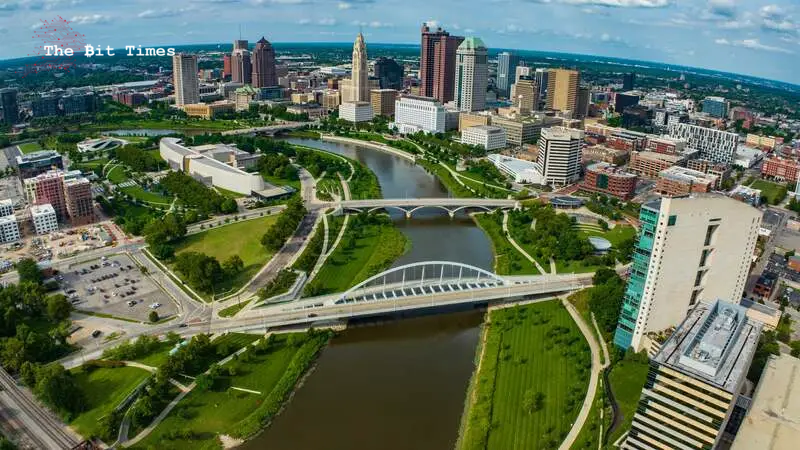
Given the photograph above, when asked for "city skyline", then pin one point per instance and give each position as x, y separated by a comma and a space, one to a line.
757, 38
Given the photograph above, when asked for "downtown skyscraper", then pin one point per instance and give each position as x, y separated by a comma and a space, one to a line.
184, 76
437, 63
241, 66
472, 75
507, 63
263, 62
562, 90
360, 73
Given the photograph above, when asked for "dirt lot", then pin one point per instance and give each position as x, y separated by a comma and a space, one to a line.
116, 287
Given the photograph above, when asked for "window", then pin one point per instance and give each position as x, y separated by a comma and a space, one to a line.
671, 221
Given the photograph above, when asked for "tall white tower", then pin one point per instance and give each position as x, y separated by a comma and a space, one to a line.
472, 75
360, 76
184, 75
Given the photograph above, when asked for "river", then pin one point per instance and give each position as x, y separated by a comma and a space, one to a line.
400, 385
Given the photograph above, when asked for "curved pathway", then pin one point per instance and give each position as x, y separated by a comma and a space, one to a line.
517, 246
597, 367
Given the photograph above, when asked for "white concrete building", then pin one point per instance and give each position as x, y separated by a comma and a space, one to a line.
714, 145
6, 207
559, 159
413, 114
486, 136
356, 111
521, 171
9, 229
691, 249
472, 75
44, 218
204, 166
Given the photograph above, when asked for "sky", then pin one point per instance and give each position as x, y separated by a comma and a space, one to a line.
753, 37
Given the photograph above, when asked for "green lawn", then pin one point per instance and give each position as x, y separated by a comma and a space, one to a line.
158, 356
232, 310
772, 193
104, 389
446, 178
237, 238
30, 147
202, 415
532, 380
89, 166
627, 378
139, 193
229, 194
507, 260
589, 437
282, 181
374, 248
211, 125
329, 186
616, 235
117, 174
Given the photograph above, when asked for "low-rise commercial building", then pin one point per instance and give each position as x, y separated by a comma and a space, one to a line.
719, 170
34, 163
649, 164
677, 181
666, 145
9, 229
356, 111
781, 169
44, 218
520, 170
601, 153
695, 379
766, 143
383, 101
472, 119
209, 111
747, 157
331, 100
771, 422
312, 110
486, 136
610, 180
209, 169
413, 114
521, 130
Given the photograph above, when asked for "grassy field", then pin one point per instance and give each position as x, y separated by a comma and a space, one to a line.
30, 147
239, 238
377, 248
198, 418
229, 194
158, 356
104, 388
589, 437
89, 166
532, 380
117, 175
773, 193
627, 377
507, 260
616, 235
281, 182
210, 125
139, 193
446, 178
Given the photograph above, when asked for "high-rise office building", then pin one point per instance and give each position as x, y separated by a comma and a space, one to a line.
472, 75
389, 73
360, 74
241, 64
507, 63
45, 105
8, 105
559, 159
628, 81
690, 249
624, 100
526, 95
562, 90
383, 101
226, 67
184, 75
584, 100
542, 78
263, 60
694, 381
716, 107
437, 64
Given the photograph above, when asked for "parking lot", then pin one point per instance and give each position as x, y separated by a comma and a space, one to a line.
115, 286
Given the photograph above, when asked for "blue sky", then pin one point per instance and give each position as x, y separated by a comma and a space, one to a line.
755, 37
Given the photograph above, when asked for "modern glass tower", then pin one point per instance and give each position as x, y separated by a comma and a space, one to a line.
507, 63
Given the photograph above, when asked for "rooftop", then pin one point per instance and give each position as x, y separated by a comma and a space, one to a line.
472, 43
773, 418
607, 168
714, 344
46, 208
678, 173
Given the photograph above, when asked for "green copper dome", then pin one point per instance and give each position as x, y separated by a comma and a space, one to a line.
472, 43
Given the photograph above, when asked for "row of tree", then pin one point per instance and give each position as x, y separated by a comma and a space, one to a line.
197, 195
287, 222
203, 272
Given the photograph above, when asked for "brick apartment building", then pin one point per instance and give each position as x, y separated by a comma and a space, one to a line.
650, 164
608, 179
782, 169
677, 181
79, 201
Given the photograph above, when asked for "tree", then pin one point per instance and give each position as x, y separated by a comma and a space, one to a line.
153, 316
57, 387
532, 401
233, 265
58, 308
29, 271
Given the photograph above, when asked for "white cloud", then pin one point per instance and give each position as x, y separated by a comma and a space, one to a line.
773, 12
91, 19
344, 5
328, 22
304, 21
612, 3
372, 24
157, 14
3, 30
753, 44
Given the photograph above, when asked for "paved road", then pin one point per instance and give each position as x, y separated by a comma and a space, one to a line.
37, 425
769, 247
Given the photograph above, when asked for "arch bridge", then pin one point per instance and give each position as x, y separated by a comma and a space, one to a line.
412, 205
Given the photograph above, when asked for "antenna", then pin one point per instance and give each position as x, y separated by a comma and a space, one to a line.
240, 32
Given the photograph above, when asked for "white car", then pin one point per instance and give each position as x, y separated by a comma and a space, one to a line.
155, 305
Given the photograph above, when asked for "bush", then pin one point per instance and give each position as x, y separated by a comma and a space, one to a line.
153, 316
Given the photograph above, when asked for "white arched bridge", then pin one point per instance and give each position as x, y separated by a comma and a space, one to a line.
412, 286
411, 205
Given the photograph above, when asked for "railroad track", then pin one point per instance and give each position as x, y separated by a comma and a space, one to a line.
52, 428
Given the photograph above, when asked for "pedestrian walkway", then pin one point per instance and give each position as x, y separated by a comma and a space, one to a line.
517, 246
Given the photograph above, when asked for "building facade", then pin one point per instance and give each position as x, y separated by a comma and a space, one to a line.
263, 62
487, 137
437, 63
9, 229
694, 381
716, 107
80, 207
241, 63
715, 145
412, 114
383, 102
689, 249
389, 73
9, 110
48, 188
559, 158
472, 75
184, 78
679, 181
360, 75
507, 63
467, 119
562, 90
356, 111
526, 95
44, 219
781, 169
650, 164
605, 178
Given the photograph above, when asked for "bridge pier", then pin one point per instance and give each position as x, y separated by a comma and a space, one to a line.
452, 214
408, 215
